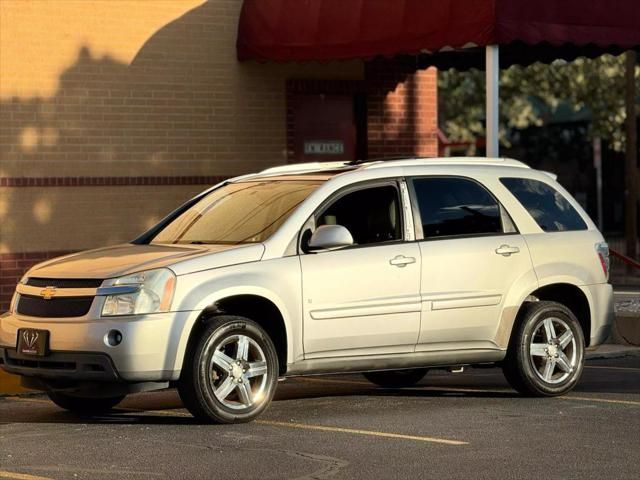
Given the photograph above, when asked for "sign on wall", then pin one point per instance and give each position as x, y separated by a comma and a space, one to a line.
324, 147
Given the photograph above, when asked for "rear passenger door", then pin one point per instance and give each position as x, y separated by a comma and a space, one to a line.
471, 256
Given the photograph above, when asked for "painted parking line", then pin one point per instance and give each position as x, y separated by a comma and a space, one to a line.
323, 428
564, 397
353, 431
28, 400
21, 476
600, 400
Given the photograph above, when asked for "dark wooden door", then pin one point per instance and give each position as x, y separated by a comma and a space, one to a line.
324, 128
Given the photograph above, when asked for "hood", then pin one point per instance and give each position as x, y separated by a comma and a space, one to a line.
110, 262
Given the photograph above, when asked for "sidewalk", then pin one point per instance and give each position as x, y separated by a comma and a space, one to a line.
612, 350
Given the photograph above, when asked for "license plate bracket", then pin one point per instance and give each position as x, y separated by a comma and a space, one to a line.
33, 342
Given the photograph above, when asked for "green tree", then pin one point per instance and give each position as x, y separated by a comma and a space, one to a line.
530, 95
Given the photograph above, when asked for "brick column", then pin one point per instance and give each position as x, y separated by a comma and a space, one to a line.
402, 109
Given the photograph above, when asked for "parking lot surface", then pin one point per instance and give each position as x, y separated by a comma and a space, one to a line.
466, 425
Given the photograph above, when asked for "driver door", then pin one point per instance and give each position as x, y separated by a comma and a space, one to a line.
363, 299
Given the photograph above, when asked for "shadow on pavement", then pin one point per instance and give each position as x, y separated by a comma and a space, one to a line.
476, 384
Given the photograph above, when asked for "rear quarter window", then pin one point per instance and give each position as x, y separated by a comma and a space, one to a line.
548, 207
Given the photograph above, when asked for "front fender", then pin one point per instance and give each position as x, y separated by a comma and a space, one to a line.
277, 280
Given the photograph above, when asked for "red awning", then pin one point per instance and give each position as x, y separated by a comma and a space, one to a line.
304, 30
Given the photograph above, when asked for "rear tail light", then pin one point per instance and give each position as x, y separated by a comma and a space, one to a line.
602, 249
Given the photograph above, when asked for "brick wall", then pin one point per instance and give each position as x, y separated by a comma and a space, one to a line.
402, 109
13, 266
113, 113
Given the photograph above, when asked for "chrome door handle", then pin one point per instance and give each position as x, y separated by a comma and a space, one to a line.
506, 250
402, 261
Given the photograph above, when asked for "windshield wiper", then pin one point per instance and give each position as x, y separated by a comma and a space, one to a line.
216, 242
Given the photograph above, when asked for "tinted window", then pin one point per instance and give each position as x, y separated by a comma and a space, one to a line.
371, 215
244, 212
547, 206
456, 206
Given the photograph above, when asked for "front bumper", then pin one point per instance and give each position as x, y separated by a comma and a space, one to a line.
75, 367
149, 351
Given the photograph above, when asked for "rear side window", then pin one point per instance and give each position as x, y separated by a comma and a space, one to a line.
551, 211
456, 207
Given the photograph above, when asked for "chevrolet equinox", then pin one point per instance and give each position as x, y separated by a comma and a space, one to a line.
388, 268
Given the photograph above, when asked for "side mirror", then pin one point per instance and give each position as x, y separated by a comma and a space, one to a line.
327, 237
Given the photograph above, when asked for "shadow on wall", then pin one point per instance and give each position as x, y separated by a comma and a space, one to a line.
168, 110
174, 111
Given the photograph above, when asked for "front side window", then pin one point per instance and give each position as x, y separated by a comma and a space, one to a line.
551, 211
372, 215
244, 212
451, 207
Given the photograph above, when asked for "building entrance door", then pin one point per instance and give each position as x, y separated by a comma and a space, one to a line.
325, 127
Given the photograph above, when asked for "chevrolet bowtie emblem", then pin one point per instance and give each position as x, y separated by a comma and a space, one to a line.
48, 293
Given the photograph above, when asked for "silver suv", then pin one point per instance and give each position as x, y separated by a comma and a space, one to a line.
386, 268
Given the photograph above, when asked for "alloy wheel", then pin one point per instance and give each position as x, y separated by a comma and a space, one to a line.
552, 351
238, 372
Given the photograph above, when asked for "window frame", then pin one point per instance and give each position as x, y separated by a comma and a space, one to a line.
394, 182
417, 216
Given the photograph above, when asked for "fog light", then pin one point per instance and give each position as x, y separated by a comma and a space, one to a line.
113, 338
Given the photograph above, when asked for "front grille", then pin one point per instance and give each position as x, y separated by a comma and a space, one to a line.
42, 364
64, 282
54, 308
58, 366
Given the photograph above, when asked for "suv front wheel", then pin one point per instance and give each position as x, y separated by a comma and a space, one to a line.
546, 351
230, 372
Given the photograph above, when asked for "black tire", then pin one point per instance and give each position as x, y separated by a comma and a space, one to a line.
84, 405
524, 371
396, 378
198, 384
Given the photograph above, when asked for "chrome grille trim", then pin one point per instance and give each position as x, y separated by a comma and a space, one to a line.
23, 289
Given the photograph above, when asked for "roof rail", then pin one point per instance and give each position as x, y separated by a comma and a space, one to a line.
304, 167
362, 161
408, 162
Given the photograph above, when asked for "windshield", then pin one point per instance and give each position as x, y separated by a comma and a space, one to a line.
246, 212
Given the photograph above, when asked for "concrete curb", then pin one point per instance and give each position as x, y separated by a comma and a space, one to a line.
10, 384
613, 351
626, 330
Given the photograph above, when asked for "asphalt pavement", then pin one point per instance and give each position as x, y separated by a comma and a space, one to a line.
468, 425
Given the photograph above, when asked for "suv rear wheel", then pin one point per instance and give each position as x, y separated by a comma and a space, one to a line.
84, 405
396, 378
230, 373
546, 351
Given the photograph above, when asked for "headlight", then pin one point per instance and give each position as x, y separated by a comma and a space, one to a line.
152, 292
